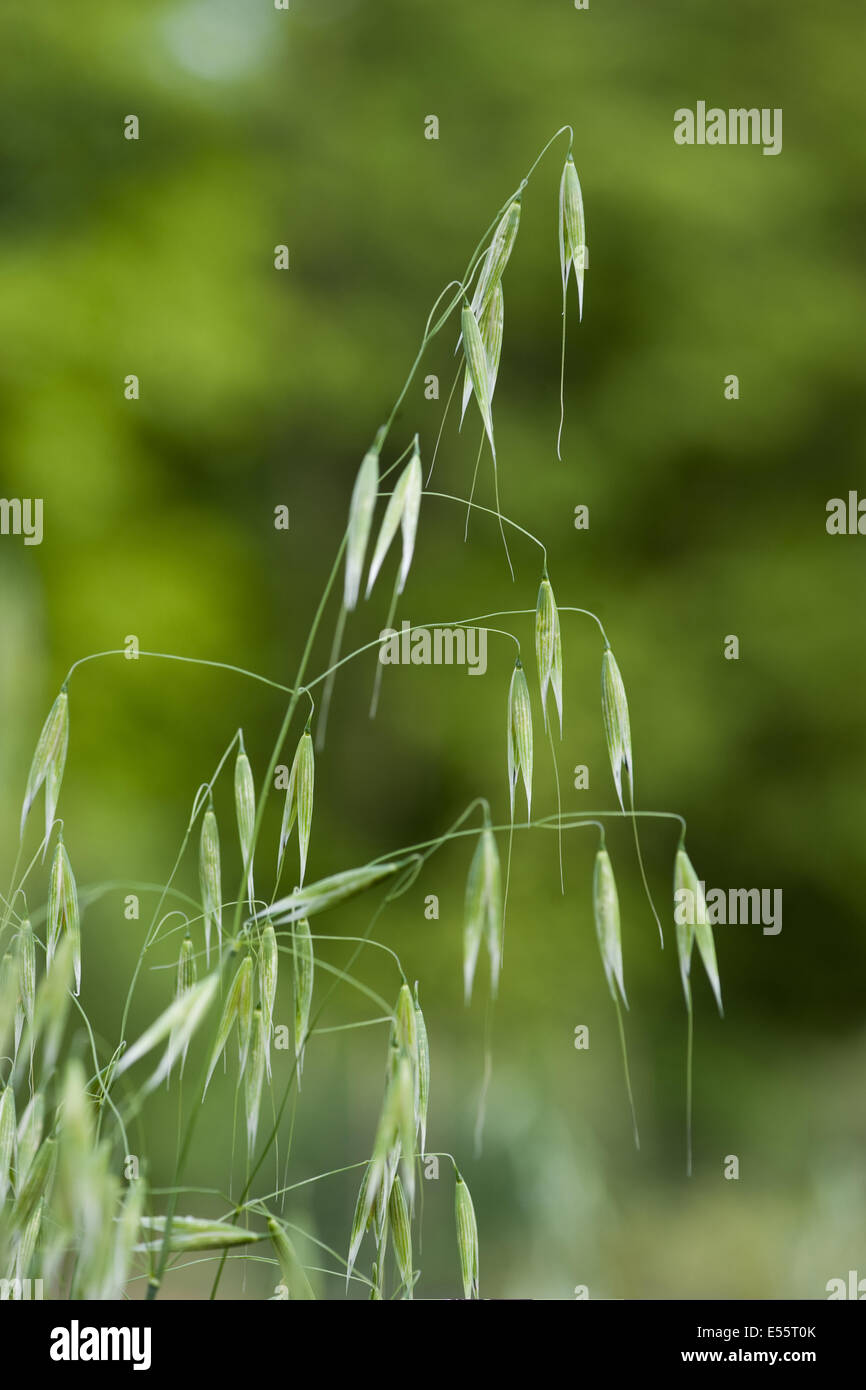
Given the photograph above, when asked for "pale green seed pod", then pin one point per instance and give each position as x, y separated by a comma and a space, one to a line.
255, 1077
476, 364
37, 1186
605, 902
26, 1247
491, 326
572, 229
190, 1233
616, 724
30, 1128
178, 1023
519, 736
186, 971
63, 910
27, 970
548, 648
8, 999
327, 892
304, 788
245, 809
52, 1001
75, 1151
236, 1010
293, 1274
404, 1090
693, 926
49, 758
467, 1238
8, 1137
402, 510
361, 509
423, 1074
401, 1232
363, 1210
498, 254
303, 970
126, 1233
210, 879
483, 912
269, 966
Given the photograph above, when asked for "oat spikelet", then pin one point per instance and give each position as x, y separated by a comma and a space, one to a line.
519, 736
476, 365
210, 879
361, 509
607, 923
572, 229
63, 915
269, 968
236, 1010
467, 1238
497, 257
299, 802
616, 723
192, 1233
245, 809
423, 1073
693, 927
402, 510
401, 1233
491, 326
48, 762
178, 1023
548, 648
483, 912
292, 1271
255, 1076
327, 892
8, 1136
303, 960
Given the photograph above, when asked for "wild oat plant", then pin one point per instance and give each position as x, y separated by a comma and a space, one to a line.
71, 1213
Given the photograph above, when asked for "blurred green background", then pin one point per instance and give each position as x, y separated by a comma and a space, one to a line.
707, 518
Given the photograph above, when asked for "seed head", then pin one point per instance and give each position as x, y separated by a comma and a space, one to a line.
299, 802
401, 1232
236, 1010
210, 879
303, 959
483, 912
607, 924
476, 366
293, 1273
245, 808
423, 1073
361, 510
694, 926
402, 510
616, 724
48, 762
519, 736
327, 892
7, 1141
467, 1238
548, 648
63, 909
497, 257
572, 229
